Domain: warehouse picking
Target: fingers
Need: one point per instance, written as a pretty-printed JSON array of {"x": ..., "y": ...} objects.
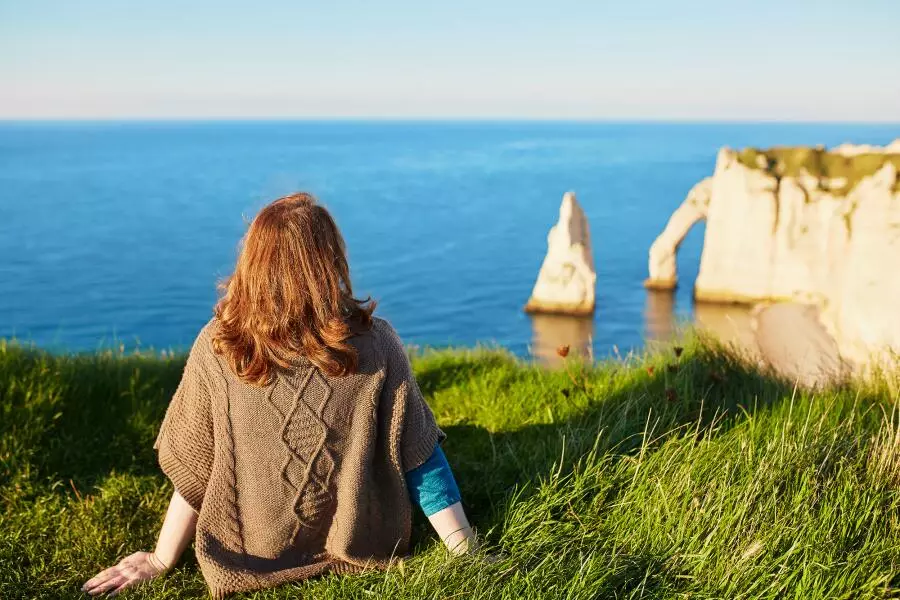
[
  {"x": 109, "y": 585},
  {"x": 129, "y": 583},
  {"x": 100, "y": 578}
]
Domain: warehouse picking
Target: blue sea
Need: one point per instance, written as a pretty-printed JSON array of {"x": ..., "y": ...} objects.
[{"x": 117, "y": 232}]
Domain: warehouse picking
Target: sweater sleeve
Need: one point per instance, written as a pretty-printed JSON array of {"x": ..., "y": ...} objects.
[
  {"x": 432, "y": 485},
  {"x": 185, "y": 442},
  {"x": 420, "y": 433}
]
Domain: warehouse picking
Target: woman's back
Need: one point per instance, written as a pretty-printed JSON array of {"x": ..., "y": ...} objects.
[{"x": 300, "y": 476}]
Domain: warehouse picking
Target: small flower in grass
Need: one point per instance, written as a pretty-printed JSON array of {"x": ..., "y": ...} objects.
[
  {"x": 565, "y": 392},
  {"x": 671, "y": 395},
  {"x": 672, "y": 368},
  {"x": 650, "y": 370},
  {"x": 563, "y": 350},
  {"x": 678, "y": 351}
]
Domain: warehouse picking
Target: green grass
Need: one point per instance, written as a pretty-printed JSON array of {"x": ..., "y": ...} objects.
[
  {"x": 825, "y": 166},
  {"x": 657, "y": 477}
]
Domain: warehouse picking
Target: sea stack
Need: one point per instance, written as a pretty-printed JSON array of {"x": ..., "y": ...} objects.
[{"x": 566, "y": 281}]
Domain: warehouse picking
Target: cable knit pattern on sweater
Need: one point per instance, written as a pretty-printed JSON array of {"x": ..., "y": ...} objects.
[{"x": 303, "y": 476}]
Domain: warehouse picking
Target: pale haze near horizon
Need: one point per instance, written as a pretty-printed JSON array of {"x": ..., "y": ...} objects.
[{"x": 692, "y": 60}]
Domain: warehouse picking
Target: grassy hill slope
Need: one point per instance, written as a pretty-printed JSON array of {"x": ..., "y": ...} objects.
[{"x": 690, "y": 476}]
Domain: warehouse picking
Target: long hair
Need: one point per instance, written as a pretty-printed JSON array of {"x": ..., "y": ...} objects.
[{"x": 290, "y": 295}]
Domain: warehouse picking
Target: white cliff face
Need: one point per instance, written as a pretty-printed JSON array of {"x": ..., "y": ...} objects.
[
  {"x": 862, "y": 295},
  {"x": 766, "y": 239},
  {"x": 567, "y": 279},
  {"x": 774, "y": 235}
]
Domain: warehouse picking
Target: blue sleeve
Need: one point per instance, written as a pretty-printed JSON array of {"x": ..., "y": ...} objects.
[{"x": 432, "y": 485}]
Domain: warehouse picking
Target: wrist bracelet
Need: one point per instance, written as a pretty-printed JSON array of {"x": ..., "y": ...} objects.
[
  {"x": 157, "y": 563},
  {"x": 466, "y": 539},
  {"x": 447, "y": 537}
]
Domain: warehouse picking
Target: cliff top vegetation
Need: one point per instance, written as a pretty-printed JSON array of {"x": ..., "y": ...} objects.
[{"x": 836, "y": 173}]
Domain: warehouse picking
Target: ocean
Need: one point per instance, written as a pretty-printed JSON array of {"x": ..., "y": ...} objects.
[{"x": 116, "y": 233}]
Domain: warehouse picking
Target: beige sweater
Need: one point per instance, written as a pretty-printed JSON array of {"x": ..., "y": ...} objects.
[{"x": 303, "y": 476}]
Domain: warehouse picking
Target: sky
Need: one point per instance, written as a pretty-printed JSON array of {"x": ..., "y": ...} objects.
[{"x": 807, "y": 60}]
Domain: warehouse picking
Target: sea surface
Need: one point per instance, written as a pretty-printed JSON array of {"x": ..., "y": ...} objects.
[{"x": 117, "y": 232}]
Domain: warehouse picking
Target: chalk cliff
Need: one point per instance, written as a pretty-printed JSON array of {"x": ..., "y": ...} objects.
[
  {"x": 810, "y": 225},
  {"x": 567, "y": 279}
]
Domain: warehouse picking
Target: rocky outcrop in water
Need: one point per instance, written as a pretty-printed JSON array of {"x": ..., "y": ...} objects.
[
  {"x": 567, "y": 279},
  {"x": 801, "y": 224}
]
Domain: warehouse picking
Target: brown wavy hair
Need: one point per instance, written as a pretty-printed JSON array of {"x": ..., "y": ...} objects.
[{"x": 290, "y": 295}]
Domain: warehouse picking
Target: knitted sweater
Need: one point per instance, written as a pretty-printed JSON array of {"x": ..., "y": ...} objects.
[{"x": 300, "y": 477}]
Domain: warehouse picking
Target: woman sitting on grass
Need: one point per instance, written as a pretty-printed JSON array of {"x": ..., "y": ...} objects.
[{"x": 297, "y": 435}]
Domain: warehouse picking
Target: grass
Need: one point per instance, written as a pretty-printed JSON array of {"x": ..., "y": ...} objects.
[
  {"x": 836, "y": 174},
  {"x": 657, "y": 477}
]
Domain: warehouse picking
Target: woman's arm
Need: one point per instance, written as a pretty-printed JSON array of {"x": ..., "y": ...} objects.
[
  {"x": 176, "y": 533},
  {"x": 454, "y": 530},
  {"x": 433, "y": 487}
]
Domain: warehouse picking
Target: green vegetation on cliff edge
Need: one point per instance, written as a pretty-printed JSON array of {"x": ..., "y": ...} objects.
[
  {"x": 663, "y": 476},
  {"x": 819, "y": 163}
]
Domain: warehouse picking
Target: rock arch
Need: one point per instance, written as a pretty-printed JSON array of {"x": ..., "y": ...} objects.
[{"x": 663, "y": 269}]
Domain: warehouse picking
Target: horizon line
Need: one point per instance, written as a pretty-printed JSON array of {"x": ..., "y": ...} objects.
[{"x": 439, "y": 119}]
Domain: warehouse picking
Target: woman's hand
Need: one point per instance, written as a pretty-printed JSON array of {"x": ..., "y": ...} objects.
[
  {"x": 131, "y": 570},
  {"x": 176, "y": 533}
]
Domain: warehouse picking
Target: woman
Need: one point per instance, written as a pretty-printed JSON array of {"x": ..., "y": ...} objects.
[{"x": 297, "y": 435}]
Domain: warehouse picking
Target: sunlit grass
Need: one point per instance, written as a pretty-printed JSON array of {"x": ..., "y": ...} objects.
[{"x": 659, "y": 477}]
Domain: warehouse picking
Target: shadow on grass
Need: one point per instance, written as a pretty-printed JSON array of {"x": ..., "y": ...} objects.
[
  {"x": 698, "y": 389},
  {"x": 675, "y": 396}
]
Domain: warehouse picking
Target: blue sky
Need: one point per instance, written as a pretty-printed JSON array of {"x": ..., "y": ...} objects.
[{"x": 639, "y": 59}]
